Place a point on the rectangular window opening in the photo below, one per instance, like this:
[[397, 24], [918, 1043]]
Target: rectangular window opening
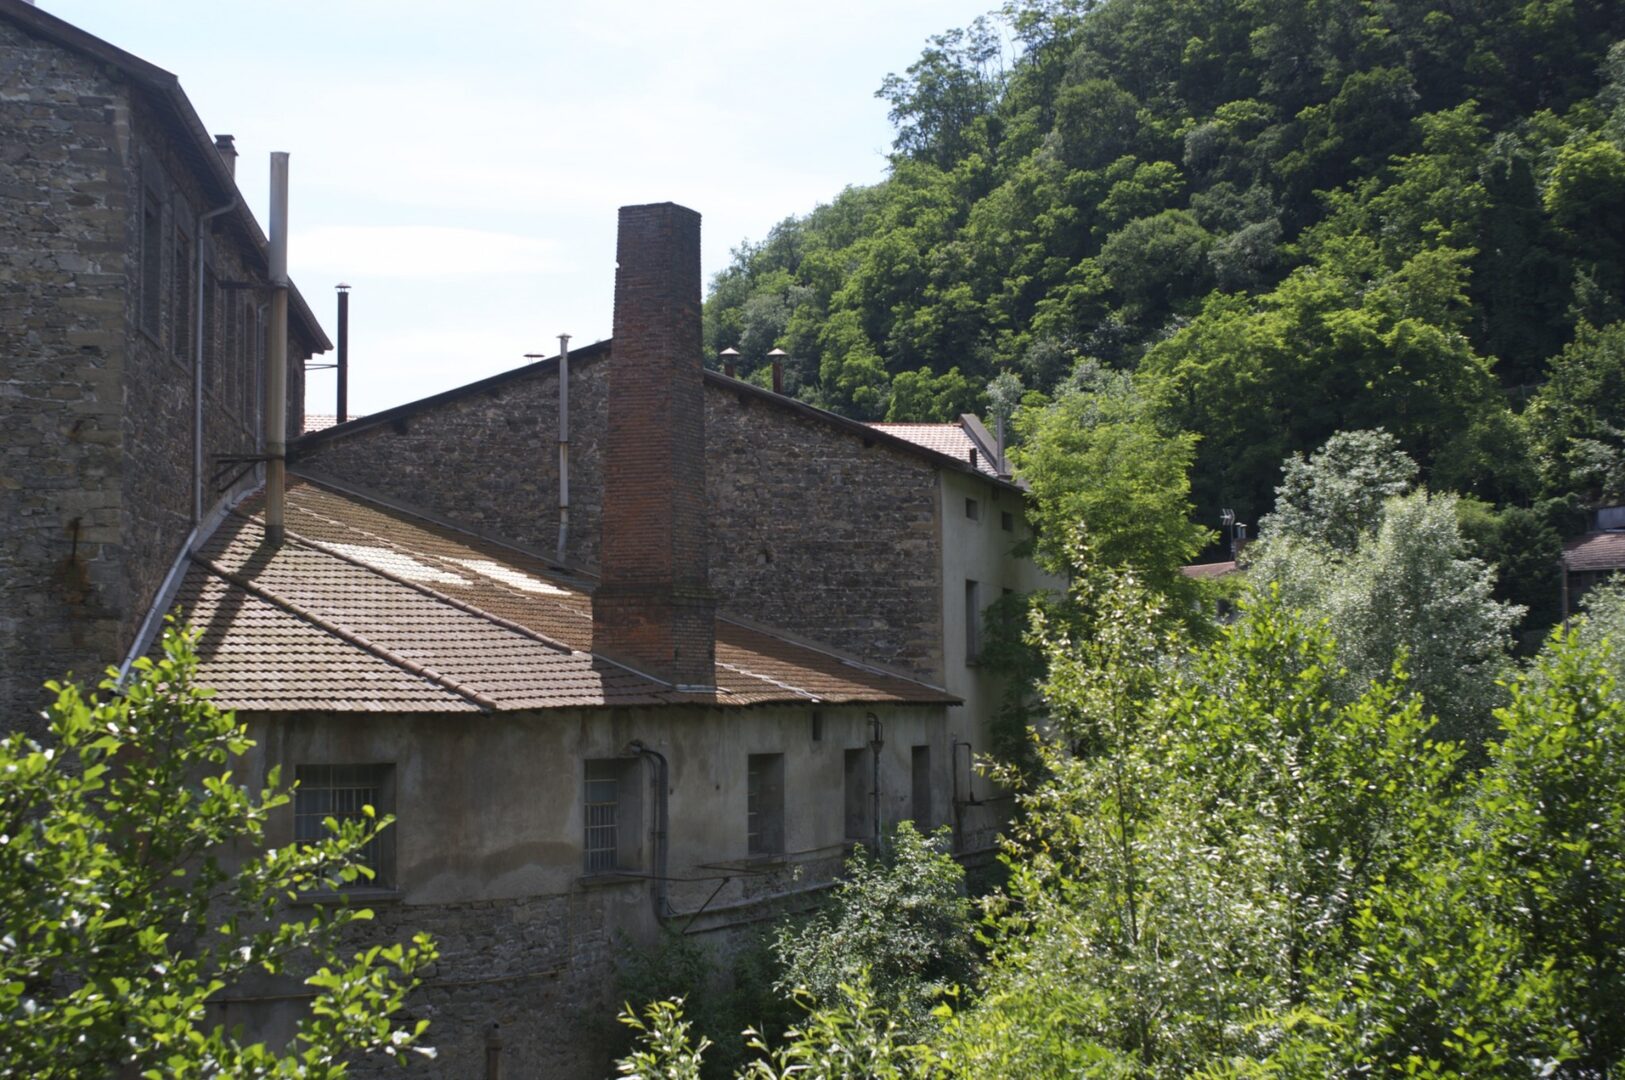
[[612, 815], [973, 509], [181, 304], [973, 621], [340, 792], [152, 264], [1007, 521], [920, 775], [764, 804], [857, 794]]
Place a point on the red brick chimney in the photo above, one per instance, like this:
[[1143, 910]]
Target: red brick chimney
[[654, 609]]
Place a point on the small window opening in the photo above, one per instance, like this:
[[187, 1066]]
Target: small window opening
[[973, 509], [764, 804]]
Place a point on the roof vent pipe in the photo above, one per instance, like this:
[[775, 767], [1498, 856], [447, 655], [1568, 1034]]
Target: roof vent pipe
[[344, 352], [777, 356], [564, 443], [276, 376], [730, 358]]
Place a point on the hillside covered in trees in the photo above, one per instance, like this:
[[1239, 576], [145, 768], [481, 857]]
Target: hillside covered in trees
[[1259, 222]]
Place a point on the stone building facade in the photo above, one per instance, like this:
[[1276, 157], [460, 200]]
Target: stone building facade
[[108, 178]]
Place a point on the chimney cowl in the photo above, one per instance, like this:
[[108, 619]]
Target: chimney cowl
[[226, 147]]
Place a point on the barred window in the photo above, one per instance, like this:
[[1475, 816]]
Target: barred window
[[612, 812], [764, 804], [340, 792], [181, 337], [603, 818]]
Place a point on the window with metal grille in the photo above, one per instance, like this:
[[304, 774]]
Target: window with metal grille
[[764, 804], [602, 806], [181, 303], [339, 792]]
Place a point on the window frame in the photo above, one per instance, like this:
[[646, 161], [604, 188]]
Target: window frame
[[357, 781], [764, 805], [621, 816]]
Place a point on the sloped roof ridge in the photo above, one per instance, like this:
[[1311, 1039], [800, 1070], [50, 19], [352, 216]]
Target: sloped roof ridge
[[416, 586], [345, 634]]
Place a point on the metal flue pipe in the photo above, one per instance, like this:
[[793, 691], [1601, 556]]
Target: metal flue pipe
[[276, 358], [344, 352], [564, 443]]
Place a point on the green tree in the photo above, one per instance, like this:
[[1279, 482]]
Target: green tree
[[1096, 459], [1336, 495], [1408, 593], [1577, 420], [899, 924], [123, 910]]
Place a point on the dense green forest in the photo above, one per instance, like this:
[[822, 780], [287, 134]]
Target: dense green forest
[[1284, 218], [1355, 271]]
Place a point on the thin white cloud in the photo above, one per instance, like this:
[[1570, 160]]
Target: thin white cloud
[[422, 251]]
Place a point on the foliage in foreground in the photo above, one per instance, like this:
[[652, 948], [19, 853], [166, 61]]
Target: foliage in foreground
[[899, 923], [1236, 870], [123, 911]]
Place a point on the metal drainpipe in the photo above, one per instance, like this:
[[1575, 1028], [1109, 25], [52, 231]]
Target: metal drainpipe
[[276, 388], [564, 442], [662, 843], [875, 744], [197, 363]]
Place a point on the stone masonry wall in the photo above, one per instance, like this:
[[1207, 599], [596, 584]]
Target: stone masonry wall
[[813, 532], [64, 131], [95, 389]]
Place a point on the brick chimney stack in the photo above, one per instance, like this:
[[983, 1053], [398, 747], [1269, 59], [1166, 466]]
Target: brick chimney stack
[[654, 609]]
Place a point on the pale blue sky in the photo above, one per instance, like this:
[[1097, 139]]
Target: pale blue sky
[[460, 164]]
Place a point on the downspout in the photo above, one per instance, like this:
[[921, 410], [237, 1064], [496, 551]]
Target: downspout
[[197, 362], [276, 380], [564, 443], [661, 841]]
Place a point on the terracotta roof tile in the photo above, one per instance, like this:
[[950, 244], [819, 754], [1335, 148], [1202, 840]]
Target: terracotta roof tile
[[950, 439], [371, 609], [1596, 551]]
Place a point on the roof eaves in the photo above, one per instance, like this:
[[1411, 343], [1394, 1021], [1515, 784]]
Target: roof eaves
[[856, 427]]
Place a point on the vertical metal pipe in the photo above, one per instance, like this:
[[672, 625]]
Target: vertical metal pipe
[[564, 443], [344, 352], [276, 359]]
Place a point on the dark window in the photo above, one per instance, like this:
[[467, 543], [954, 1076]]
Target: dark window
[[764, 804], [921, 777], [612, 814], [181, 305], [211, 331], [1007, 521], [152, 263], [973, 509], [857, 794], [340, 792], [973, 621]]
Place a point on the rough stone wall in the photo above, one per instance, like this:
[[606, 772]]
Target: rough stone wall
[[812, 532], [64, 132], [96, 396]]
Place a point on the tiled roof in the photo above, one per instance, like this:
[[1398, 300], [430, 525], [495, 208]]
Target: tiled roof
[[1595, 551], [371, 609], [319, 422], [1209, 570], [950, 439]]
